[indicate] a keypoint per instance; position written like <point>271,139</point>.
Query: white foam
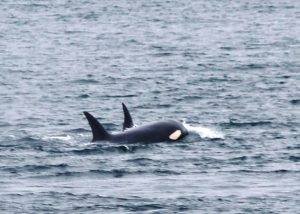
<point>63,138</point>
<point>204,132</point>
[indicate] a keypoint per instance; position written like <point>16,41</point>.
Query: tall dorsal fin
<point>99,133</point>
<point>127,118</point>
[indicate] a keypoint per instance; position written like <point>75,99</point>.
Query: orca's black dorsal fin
<point>99,133</point>
<point>127,118</point>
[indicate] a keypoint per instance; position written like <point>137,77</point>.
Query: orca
<point>166,130</point>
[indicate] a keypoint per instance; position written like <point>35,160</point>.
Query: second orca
<point>166,130</point>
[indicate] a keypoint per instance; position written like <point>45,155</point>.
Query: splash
<point>63,138</point>
<point>204,132</point>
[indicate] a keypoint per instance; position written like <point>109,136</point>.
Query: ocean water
<point>228,69</point>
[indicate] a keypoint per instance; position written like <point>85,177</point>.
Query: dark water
<point>230,69</point>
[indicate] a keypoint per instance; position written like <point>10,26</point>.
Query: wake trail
<point>204,132</point>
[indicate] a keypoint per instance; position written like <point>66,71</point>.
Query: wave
<point>245,124</point>
<point>276,171</point>
<point>86,81</point>
<point>295,102</point>
<point>35,168</point>
<point>204,132</point>
<point>117,173</point>
<point>63,138</point>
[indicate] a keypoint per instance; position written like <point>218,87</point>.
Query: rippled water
<point>229,69</point>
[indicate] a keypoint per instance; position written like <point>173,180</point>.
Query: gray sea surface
<point>228,69</point>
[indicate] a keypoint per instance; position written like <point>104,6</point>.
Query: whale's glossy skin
<point>152,132</point>
<point>167,130</point>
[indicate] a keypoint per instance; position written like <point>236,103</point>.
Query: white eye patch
<point>175,135</point>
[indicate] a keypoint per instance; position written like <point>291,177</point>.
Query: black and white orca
<point>167,130</point>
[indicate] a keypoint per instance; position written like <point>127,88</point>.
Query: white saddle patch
<point>175,135</point>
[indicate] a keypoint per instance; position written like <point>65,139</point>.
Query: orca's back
<point>153,132</point>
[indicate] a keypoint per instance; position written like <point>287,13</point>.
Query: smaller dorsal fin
<point>99,133</point>
<point>127,118</point>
